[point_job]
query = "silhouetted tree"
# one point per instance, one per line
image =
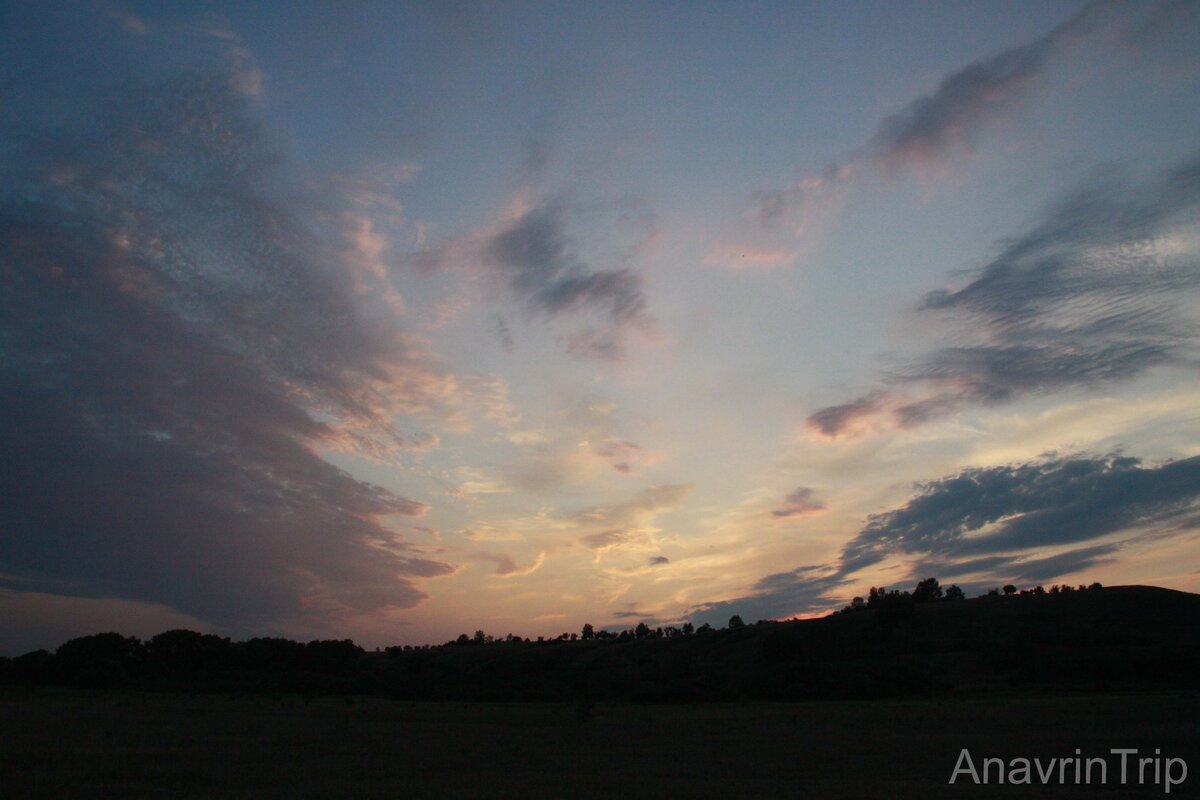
(36, 667)
(927, 591)
(102, 661)
(183, 653)
(688, 629)
(332, 656)
(588, 632)
(735, 622)
(955, 593)
(641, 631)
(705, 628)
(1010, 589)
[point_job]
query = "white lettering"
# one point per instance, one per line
(1047, 772)
(968, 769)
(1124, 752)
(1182, 775)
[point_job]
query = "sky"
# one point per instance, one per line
(394, 321)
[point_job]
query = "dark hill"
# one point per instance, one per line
(1129, 637)
(1117, 638)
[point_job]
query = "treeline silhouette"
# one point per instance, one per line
(892, 643)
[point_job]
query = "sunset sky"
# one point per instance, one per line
(393, 321)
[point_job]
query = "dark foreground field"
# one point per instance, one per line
(56, 744)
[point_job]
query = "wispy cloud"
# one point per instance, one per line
(932, 130)
(629, 525)
(801, 502)
(532, 253)
(947, 121)
(1100, 290)
(624, 456)
(506, 567)
(127, 19)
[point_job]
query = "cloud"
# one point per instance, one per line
(1028, 506)
(930, 131)
(614, 538)
(999, 521)
(127, 20)
(177, 344)
(506, 567)
(643, 507)
(969, 100)
(797, 592)
(799, 503)
(737, 255)
(782, 225)
(533, 255)
(833, 421)
(656, 561)
(629, 525)
(1044, 570)
(1100, 290)
(624, 456)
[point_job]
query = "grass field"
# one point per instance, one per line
(73, 745)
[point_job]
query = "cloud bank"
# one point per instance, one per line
(177, 343)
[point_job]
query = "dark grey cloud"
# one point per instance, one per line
(656, 561)
(638, 615)
(1097, 292)
(997, 521)
(970, 99)
(784, 594)
(834, 420)
(1044, 570)
(800, 502)
(1028, 506)
(541, 267)
(175, 343)
(1101, 290)
(535, 256)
